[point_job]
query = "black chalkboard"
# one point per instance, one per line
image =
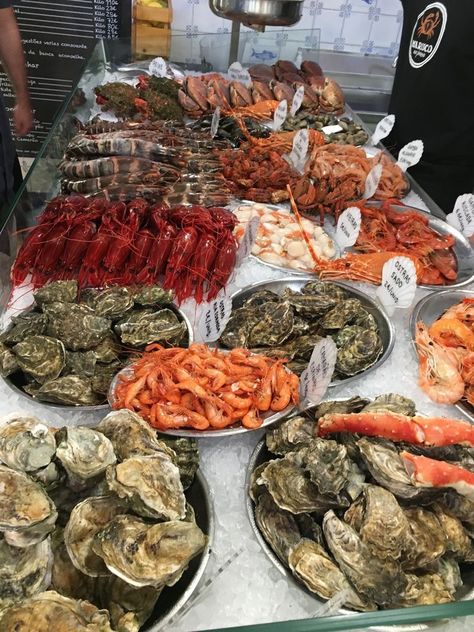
(58, 37)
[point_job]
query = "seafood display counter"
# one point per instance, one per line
(319, 519)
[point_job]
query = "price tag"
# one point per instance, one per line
(398, 284)
(297, 101)
(348, 227)
(214, 319)
(331, 129)
(280, 115)
(372, 181)
(248, 239)
(158, 67)
(299, 152)
(215, 121)
(410, 154)
(462, 216)
(315, 379)
(383, 129)
(237, 73)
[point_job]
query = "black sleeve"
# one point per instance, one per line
(4, 4)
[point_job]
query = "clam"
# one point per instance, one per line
(150, 484)
(56, 291)
(279, 527)
(144, 554)
(26, 444)
(41, 357)
(84, 453)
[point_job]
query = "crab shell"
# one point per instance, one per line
(261, 72)
(197, 91)
(261, 92)
(311, 69)
(331, 98)
(283, 67)
(239, 94)
(282, 91)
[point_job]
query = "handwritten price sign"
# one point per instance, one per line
(398, 284)
(316, 377)
(214, 319)
(462, 216)
(410, 155)
(383, 129)
(348, 227)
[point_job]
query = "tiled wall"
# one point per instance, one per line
(360, 26)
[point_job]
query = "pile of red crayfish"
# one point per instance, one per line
(190, 249)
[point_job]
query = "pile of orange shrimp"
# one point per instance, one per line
(446, 355)
(393, 182)
(203, 388)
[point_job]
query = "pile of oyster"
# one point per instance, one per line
(290, 324)
(67, 349)
(344, 517)
(92, 514)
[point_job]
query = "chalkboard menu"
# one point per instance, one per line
(58, 37)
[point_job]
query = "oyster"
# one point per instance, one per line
(309, 305)
(77, 326)
(148, 555)
(344, 313)
(103, 377)
(185, 456)
(459, 506)
(393, 403)
(352, 405)
(151, 485)
(8, 362)
(152, 295)
(25, 443)
(274, 325)
(145, 326)
(23, 326)
(65, 577)
(86, 520)
(358, 349)
(238, 327)
(107, 350)
(27, 514)
(70, 390)
(260, 297)
(113, 302)
(377, 580)
(309, 528)
(426, 540)
(256, 486)
(56, 291)
(458, 542)
(129, 607)
(279, 528)
(23, 572)
(41, 357)
(292, 432)
(311, 564)
(81, 363)
(84, 453)
(326, 289)
(47, 609)
(449, 570)
(302, 346)
(423, 590)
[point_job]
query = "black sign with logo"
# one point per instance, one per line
(427, 34)
(58, 38)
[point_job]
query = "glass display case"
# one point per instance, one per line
(241, 589)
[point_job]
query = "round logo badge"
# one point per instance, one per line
(427, 34)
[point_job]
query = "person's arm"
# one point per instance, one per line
(13, 60)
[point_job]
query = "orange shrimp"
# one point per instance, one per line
(463, 311)
(451, 332)
(252, 419)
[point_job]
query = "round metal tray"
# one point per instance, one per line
(386, 330)
(429, 309)
(15, 384)
(262, 454)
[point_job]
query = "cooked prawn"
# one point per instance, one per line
(451, 332)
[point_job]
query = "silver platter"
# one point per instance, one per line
(259, 456)
(429, 309)
(16, 387)
(385, 327)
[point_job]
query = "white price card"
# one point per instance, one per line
(215, 121)
(348, 227)
(398, 284)
(331, 129)
(372, 181)
(248, 239)
(297, 101)
(158, 67)
(315, 379)
(214, 318)
(280, 115)
(237, 73)
(383, 129)
(462, 216)
(299, 152)
(410, 154)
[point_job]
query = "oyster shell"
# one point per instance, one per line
(423, 590)
(70, 390)
(66, 579)
(128, 607)
(257, 488)
(344, 313)
(393, 403)
(311, 564)
(8, 362)
(145, 326)
(84, 453)
(238, 327)
(426, 541)
(449, 570)
(23, 326)
(81, 363)
(278, 527)
(56, 291)
(86, 520)
(292, 432)
(459, 506)
(77, 326)
(458, 542)
(148, 555)
(27, 514)
(309, 305)
(151, 485)
(103, 377)
(358, 349)
(23, 572)
(309, 528)
(107, 350)
(377, 580)
(274, 325)
(41, 357)
(324, 288)
(260, 297)
(113, 302)
(38, 613)
(152, 295)
(184, 453)
(352, 405)
(25, 443)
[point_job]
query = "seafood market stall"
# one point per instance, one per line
(236, 365)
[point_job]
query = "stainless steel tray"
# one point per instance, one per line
(262, 454)
(15, 386)
(386, 330)
(429, 309)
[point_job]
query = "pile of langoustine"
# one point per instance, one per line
(446, 354)
(98, 243)
(203, 388)
(125, 160)
(270, 84)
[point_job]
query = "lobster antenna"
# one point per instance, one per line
(312, 252)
